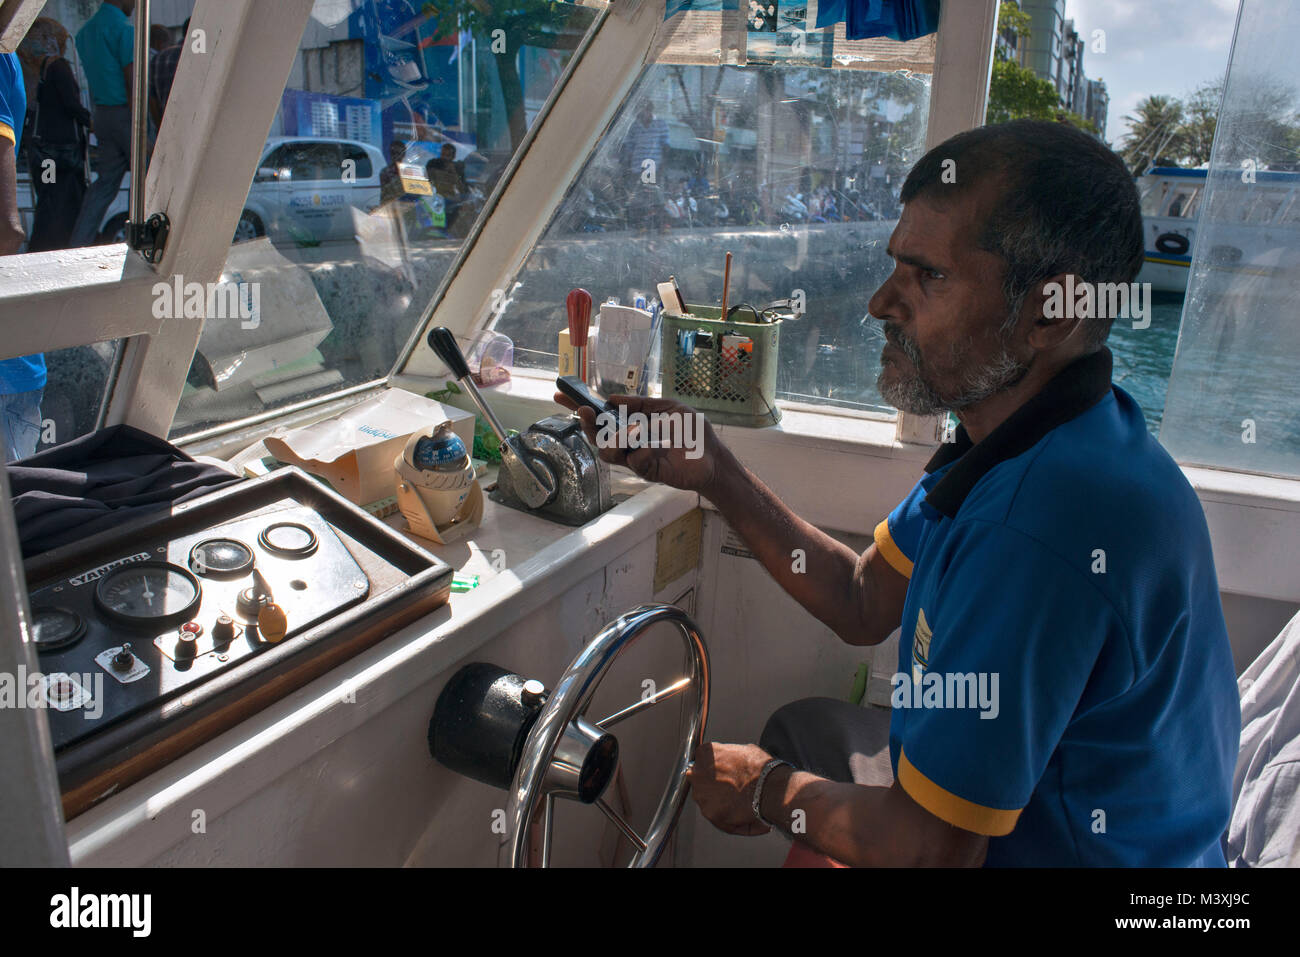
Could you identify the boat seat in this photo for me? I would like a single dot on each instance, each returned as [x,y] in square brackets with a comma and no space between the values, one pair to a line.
[1264,829]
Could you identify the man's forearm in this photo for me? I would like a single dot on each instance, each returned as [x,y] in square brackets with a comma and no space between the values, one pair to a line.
[865,826]
[822,579]
[12,236]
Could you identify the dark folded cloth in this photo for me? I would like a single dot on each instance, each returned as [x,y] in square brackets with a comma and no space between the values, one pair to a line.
[99,481]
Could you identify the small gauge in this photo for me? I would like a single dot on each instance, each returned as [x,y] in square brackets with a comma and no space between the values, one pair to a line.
[148,593]
[288,539]
[221,558]
[55,628]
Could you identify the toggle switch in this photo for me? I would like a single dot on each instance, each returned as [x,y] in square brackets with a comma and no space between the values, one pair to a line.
[124,660]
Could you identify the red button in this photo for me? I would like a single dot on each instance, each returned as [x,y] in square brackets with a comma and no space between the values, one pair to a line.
[193,627]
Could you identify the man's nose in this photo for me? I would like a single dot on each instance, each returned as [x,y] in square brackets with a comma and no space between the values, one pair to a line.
[884,304]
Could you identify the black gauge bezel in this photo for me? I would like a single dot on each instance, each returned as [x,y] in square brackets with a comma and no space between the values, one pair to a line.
[207,571]
[78,632]
[162,621]
[308,549]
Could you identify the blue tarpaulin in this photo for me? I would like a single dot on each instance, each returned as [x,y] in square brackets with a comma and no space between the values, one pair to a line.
[896,19]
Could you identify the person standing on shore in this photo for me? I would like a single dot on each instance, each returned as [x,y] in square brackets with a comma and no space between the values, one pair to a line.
[107,48]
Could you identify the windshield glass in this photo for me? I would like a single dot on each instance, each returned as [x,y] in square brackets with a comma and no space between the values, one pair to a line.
[793,162]
[1234,397]
[393,129]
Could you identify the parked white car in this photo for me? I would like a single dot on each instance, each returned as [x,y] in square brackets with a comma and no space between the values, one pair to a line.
[303,191]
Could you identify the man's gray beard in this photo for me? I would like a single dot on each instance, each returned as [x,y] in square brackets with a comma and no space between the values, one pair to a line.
[912,394]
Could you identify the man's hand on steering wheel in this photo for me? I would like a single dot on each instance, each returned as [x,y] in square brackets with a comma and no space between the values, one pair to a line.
[723,779]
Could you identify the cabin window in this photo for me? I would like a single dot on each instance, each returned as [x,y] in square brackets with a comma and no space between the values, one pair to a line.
[1153,198]
[1234,396]
[793,161]
[1184,204]
[392,130]
[76,381]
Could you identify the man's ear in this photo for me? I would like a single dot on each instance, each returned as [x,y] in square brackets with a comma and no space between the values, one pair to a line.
[1050,310]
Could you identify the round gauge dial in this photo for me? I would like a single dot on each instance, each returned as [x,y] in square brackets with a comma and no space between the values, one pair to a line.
[148,593]
[221,558]
[288,539]
[55,628]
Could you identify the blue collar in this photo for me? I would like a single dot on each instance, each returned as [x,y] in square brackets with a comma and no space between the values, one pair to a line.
[1071,392]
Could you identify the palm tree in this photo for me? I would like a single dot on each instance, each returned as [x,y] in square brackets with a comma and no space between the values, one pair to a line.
[1155,135]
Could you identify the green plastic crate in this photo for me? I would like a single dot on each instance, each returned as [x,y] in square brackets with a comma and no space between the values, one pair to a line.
[732,389]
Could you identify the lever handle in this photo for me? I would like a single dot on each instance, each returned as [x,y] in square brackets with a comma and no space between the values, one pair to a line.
[444,344]
[578,305]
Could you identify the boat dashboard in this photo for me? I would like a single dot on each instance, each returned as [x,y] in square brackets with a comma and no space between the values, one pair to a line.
[157,635]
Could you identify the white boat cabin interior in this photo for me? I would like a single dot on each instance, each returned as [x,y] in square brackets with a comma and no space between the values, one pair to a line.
[385,174]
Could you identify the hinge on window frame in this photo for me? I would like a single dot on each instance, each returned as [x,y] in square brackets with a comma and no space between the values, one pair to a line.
[149,238]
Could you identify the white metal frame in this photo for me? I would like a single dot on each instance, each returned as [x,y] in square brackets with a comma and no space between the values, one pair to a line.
[31,817]
[50,301]
[16,17]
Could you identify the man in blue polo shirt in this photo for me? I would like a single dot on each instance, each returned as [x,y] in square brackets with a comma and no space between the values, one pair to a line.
[1064,692]
[22,379]
[106,45]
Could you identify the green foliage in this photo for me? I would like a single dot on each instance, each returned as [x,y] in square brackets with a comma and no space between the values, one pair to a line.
[1156,134]
[1012,20]
[1167,131]
[1016,93]
[1201,112]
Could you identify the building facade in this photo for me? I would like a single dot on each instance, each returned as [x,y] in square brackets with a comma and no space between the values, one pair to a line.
[1054,52]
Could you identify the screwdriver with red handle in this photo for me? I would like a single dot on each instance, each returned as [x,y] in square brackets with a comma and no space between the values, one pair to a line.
[578,305]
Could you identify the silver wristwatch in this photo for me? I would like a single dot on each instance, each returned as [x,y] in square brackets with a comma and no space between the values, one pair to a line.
[758,788]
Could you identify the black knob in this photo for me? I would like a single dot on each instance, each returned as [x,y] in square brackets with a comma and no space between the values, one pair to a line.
[444,344]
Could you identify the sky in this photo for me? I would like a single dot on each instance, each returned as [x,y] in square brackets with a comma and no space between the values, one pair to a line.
[1152,46]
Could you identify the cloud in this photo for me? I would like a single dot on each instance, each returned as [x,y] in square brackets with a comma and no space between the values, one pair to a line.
[1202,24]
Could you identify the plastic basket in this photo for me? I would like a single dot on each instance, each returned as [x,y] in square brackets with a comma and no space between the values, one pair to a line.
[732,386]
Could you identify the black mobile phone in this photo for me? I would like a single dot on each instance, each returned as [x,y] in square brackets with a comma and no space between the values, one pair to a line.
[577,390]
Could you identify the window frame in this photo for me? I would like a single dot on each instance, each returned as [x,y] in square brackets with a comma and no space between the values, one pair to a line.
[56,300]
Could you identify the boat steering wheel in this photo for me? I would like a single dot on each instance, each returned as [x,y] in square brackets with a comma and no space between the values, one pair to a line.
[566,755]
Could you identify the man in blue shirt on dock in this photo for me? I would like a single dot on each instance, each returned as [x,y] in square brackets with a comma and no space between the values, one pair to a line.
[1065,692]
